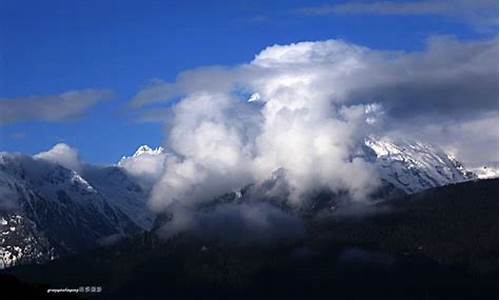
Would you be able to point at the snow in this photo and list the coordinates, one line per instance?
(254, 97)
(18, 243)
(414, 166)
(114, 196)
(33, 187)
(145, 165)
(77, 179)
(145, 149)
(486, 172)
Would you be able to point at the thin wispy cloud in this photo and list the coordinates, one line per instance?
(156, 90)
(160, 91)
(53, 108)
(475, 12)
(152, 115)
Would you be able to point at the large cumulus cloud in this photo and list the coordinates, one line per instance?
(145, 166)
(451, 82)
(297, 120)
(304, 109)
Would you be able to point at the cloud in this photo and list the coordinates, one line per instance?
(156, 91)
(63, 155)
(450, 79)
(449, 82)
(53, 108)
(476, 12)
(207, 138)
(220, 142)
(300, 113)
(473, 141)
(190, 81)
(151, 115)
(241, 224)
(146, 167)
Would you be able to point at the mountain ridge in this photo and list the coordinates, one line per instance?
(55, 210)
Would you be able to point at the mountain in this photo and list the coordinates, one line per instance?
(47, 210)
(122, 191)
(53, 210)
(145, 149)
(441, 243)
(145, 166)
(414, 166)
(22, 242)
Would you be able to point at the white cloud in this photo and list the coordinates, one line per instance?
(208, 139)
(476, 12)
(146, 166)
(63, 155)
(156, 91)
(311, 106)
(66, 106)
(221, 142)
(473, 142)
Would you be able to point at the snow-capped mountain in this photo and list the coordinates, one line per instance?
(47, 210)
(141, 152)
(47, 200)
(145, 149)
(415, 166)
(145, 165)
(410, 166)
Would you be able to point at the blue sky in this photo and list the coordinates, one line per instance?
(51, 47)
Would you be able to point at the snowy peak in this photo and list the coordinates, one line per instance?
(414, 166)
(145, 149)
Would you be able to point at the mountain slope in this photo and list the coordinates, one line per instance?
(55, 211)
(21, 242)
(415, 166)
(65, 208)
(437, 244)
(122, 191)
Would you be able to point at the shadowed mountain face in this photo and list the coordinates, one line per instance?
(438, 244)
(48, 210)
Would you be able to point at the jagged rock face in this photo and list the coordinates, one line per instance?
(415, 166)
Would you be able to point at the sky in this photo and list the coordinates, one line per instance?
(101, 76)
